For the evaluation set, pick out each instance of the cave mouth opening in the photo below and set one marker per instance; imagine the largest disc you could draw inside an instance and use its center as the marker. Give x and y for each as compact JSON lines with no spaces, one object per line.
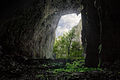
{"x":68,"y":44}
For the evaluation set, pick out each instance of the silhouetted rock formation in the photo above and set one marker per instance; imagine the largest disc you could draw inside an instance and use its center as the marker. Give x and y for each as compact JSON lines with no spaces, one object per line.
{"x":27,"y":28}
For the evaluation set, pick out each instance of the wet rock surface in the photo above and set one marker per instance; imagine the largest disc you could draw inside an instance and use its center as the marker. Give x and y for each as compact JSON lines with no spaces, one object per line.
{"x":17,"y":68}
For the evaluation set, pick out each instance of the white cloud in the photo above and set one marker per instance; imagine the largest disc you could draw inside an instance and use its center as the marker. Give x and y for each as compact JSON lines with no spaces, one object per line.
{"x":67,"y":22}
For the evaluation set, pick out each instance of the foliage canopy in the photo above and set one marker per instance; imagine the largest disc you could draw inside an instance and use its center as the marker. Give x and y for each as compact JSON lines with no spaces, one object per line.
{"x":68,"y":45}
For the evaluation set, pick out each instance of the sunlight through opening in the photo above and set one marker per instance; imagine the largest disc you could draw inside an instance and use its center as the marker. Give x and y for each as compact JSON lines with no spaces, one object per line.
{"x":67,"y":22}
{"x":68,"y":37}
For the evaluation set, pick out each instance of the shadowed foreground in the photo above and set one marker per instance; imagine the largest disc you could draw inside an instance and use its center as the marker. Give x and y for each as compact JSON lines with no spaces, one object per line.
{"x":44,"y":69}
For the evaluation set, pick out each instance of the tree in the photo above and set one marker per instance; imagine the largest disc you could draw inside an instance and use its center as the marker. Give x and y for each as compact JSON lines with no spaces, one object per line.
{"x":67,"y":45}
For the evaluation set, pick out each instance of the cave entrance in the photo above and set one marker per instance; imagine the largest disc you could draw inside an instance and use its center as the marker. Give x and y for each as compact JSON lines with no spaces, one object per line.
{"x":68,"y":37}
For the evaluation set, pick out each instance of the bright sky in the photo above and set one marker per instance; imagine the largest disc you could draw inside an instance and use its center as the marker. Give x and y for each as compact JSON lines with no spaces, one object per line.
{"x":66,"y":23}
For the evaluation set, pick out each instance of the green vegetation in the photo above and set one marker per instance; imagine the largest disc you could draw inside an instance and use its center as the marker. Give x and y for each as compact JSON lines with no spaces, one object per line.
{"x":68,"y":45}
{"x":76,"y":66}
{"x":55,"y":68}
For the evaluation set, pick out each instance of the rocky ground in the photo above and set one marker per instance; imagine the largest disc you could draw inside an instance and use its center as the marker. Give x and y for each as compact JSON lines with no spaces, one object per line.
{"x":17,"y":68}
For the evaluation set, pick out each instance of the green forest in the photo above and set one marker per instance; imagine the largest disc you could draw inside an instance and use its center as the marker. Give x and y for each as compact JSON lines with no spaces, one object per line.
{"x":69,"y":45}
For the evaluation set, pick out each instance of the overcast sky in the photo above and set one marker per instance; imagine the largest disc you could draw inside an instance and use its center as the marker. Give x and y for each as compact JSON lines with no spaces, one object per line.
{"x":66,"y":23}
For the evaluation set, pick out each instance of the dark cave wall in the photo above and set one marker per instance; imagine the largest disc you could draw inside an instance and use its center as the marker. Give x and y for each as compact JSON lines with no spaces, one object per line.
{"x":110,"y":32}
{"x":101,"y":27}
{"x":27,"y":28}
{"x":90,"y":33}
{"x":30,"y":31}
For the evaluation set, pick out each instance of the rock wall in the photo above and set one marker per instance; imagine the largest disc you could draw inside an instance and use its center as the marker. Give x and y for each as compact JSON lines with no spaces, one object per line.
{"x":78,"y":30}
{"x":110,"y":39}
{"x":100,"y":20}
{"x":90,"y":33}
{"x":27,"y":28}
